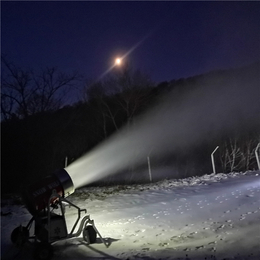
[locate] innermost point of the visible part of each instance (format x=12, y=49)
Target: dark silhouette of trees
x=25, y=92
x=38, y=144
x=133, y=88
x=119, y=97
x=16, y=91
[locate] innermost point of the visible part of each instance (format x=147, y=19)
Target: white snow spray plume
x=180, y=120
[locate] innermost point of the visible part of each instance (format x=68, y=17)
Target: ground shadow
x=78, y=248
x=74, y=248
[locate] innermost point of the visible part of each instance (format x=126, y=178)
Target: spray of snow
x=207, y=110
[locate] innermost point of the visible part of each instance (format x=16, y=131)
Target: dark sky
x=177, y=39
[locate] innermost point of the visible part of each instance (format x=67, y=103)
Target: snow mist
x=213, y=105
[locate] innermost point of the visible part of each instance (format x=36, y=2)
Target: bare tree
x=238, y=154
x=48, y=95
x=231, y=156
x=248, y=145
x=131, y=86
x=98, y=91
x=127, y=91
x=93, y=90
x=16, y=89
x=7, y=105
x=25, y=93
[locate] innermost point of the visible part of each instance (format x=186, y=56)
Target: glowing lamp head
x=118, y=61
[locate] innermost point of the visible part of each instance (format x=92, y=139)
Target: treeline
x=35, y=144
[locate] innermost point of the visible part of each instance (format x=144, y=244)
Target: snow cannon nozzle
x=36, y=196
x=66, y=182
x=45, y=200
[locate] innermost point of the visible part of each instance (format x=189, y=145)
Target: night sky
x=174, y=39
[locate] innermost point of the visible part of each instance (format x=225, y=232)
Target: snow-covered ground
x=209, y=217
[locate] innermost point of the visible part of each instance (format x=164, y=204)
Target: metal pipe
x=257, y=156
x=149, y=168
x=212, y=160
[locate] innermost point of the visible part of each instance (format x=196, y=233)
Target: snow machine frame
x=47, y=224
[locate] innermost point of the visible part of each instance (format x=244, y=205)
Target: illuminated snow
x=209, y=216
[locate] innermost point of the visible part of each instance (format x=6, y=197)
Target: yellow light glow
x=118, y=61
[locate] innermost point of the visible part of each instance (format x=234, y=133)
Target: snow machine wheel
x=43, y=251
x=20, y=236
x=89, y=234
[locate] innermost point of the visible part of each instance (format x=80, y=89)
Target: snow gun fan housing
x=37, y=196
x=46, y=201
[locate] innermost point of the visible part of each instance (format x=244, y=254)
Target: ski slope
x=209, y=217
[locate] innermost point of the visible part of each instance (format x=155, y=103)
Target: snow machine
x=46, y=201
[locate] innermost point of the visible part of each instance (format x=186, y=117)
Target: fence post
x=149, y=168
x=212, y=160
x=257, y=156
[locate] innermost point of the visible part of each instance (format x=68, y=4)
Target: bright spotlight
x=118, y=61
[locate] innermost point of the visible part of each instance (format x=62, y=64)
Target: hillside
x=193, y=115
